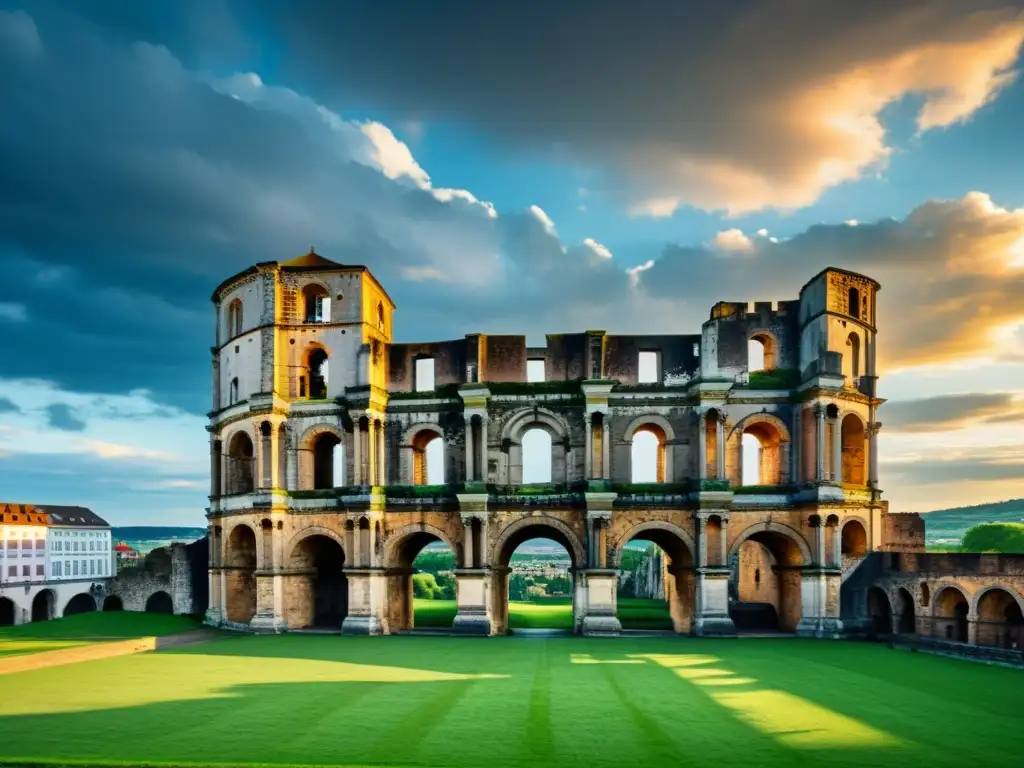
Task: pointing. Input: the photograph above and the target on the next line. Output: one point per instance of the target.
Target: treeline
(1003, 538)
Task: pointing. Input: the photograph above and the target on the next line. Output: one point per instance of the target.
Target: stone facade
(164, 581)
(321, 425)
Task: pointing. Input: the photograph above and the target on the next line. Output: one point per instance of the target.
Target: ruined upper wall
(727, 334)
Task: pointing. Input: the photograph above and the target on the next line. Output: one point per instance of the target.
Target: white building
(53, 560)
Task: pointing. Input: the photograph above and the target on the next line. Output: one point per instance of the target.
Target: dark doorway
(159, 602)
(112, 603)
(42, 606)
(80, 603)
(6, 612)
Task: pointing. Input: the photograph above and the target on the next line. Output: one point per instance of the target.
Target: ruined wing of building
(54, 561)
(320, 426)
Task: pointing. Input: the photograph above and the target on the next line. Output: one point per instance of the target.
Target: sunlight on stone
(586, 658)
(797, 722)
(165, 677)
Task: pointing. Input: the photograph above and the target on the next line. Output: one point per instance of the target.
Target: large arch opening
(80, 603)
(536, 447)
(949, 621)
(428, 458)
(906, 622)
(318, 587)
(241, 464)
(765, 589)
(648, 450)
(1000, 621)
(656, 588)
(851, 363)
(421, 582)
(7, 612)
(43, 606)
(240, 574)
(853, 449)
(159, 602)
(853, 543)
(328, 461)
(880, 612)
(112, 603)
(316, 304)
(533, 579)
(762, 454)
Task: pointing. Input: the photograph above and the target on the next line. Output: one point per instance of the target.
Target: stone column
(276, 481)
(473, 593)
(702, 447)
(702, 542)
(837, 546)
(382, 455)
(720, 446)
(606, 447)
(602, 544)
(470, 452)
(484, 464)
(588, 456)
(599, 597)
(819, 444)
(837, 451)
(357, 452)
(467, 542)
(785, 462)
(873, 454)
(591, 560)
(724, 562)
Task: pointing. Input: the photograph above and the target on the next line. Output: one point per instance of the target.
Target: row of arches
(992, 617)
(767, 563)
(44, 606)
(762, 353)
(755, 451)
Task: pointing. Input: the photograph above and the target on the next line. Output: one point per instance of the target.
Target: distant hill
(947, 526)
(146, 538)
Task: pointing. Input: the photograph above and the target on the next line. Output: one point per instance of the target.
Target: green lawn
(87, 628)
(507, 702)
(551, 612)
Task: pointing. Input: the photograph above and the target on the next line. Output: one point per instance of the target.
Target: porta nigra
(320, 427)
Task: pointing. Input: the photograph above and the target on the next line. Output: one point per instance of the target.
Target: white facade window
(76, 566)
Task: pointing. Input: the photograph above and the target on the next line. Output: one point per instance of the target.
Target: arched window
(240, 464)
(853, 302)
(853, 353)
(380, 316)
(233, 391)
(234, 318)
(428, 458)
(761, 353)
(316, 304)
(316, 367)
(852, 439)
(762, 459)
(648, 454)
(536, 456)
(327, 450)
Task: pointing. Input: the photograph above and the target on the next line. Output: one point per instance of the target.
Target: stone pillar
(720, 446)
(711, 613)
(473, 595)
(820, 533)
(357, 452)
(276, 481)
(819, 444)
(785, 462)
(873, 454)
(606, 448)
(725, 542)
(470, 452)
(588, 456)
(467, 542)
(837, 451)
(837, 546)
(702, 542)
(602, 544)
(702, 447)
(600, 600)
(382, 455)
(484, 464)
(367, 590)
(591, 544)
(818, 618)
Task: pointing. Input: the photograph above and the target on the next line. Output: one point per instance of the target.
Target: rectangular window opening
(424, 375)
(649, 368)
(535, 370)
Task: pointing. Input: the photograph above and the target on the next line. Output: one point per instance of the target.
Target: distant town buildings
(126, 555)
(53, 560)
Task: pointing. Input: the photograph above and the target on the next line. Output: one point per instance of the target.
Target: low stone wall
(964, 650)
(171, 570)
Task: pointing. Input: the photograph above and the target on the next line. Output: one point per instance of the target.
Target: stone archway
(239, 573)
(317, 587)
(508, 540)
(766, 561)
(658, 432)
(83, 602)
(950, 611)
(112, 603)
(677, 548)
(43, 605)
(906, 622)
(159, 602)
(8, 612)
(400, 551)
(525, 421)
(1000, 620)
(880, 612)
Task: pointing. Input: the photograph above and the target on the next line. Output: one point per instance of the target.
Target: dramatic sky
(507, 167)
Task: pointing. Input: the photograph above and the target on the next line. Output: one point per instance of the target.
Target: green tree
(559, 585)
(446, 584)
(424, 585)
(517, 587)
(1005, 538)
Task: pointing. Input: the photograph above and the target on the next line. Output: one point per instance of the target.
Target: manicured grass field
(510, 702)
(86, 628)
(552, 612)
